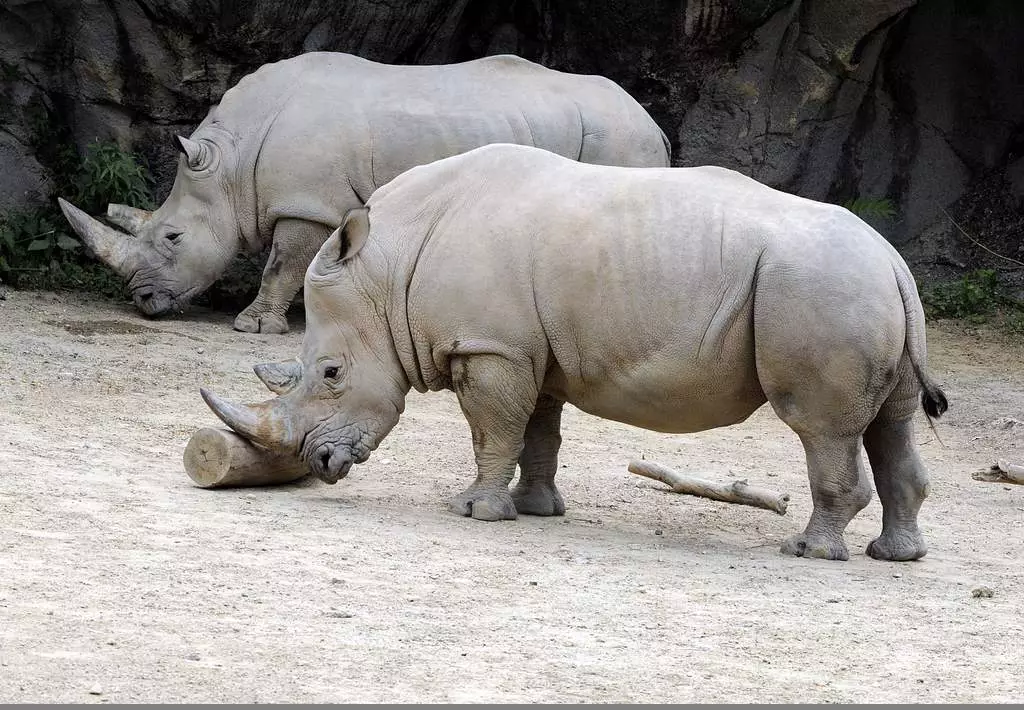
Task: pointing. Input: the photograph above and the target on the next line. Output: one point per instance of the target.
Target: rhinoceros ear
(198, 155)
(352, 233)
(279, 377)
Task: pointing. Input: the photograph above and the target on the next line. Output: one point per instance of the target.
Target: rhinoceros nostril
(325, 458)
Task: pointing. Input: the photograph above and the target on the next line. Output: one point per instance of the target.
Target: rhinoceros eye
(331, 373)
(173, 237)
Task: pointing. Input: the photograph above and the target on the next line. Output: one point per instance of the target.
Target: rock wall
(918, 102)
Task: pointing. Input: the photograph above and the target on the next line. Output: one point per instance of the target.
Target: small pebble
(96, 690)
(897, 575)
(982, 593)
(533, 584)
(339, 615)
(658, 532)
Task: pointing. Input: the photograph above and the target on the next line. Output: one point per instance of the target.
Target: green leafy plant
(868, 207)
(975, 296)
(29, 239)
(38, 248)
(110, 174)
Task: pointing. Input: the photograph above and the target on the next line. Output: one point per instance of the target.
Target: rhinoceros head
(170, 255)
(346, 391)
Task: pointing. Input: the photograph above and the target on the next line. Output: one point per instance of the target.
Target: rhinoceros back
(323, 122)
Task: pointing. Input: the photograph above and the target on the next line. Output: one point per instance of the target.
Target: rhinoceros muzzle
(153, 302)
(331, 463)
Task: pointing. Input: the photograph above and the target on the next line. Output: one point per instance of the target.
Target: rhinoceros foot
(484, 503)
(826, 547)
(538, 498)
(898, 546)
(252, 322)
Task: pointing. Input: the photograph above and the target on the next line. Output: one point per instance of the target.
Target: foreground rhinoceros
(677, 300)
(298, 143)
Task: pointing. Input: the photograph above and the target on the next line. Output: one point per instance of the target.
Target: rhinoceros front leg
(535, 493)
(295, 244)
(498, 398)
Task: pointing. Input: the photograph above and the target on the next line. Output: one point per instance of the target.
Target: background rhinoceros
(676, 300)
(296, 144)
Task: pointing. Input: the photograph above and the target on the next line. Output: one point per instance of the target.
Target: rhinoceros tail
(933, 399)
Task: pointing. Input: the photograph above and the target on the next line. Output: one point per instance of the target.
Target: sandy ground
(122, 582)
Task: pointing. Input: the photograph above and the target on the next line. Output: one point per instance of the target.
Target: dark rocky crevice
(919, 102)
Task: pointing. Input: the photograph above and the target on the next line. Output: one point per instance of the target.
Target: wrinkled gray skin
(298, 143)
(677, 300)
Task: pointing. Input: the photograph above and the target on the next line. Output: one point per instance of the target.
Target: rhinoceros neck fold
(405, 253)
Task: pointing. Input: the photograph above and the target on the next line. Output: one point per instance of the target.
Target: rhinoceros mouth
(154, 302)
(332, 463)
(151, 302)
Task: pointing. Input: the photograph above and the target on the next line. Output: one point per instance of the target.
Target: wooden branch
(218, 458)
(735, 492)
(1001, 472)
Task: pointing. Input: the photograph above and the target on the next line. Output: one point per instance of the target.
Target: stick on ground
(735, 492)
(1001, 472)
(218, 458)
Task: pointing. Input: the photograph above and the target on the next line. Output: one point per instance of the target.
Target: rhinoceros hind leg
(535, 492)
(498, 398)
(900, 478)
(839, 489)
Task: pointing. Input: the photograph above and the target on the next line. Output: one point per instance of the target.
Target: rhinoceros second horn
(110, 245)
(130, 219)
(279, 377)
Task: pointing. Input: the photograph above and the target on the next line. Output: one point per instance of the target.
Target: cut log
(735, 492)
(1001, 472)
(218, 458)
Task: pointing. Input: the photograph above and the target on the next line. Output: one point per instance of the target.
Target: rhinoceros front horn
(259, 423)
(106, 242)
(131, 219)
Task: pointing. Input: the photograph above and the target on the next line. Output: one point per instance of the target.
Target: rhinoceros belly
(671, 389)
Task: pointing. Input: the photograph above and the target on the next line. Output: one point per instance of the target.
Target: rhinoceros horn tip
(207, 395)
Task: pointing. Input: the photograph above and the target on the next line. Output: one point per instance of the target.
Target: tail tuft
(934, 401)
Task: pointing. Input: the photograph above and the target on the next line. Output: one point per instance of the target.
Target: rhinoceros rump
(677, 300)
(298, 143)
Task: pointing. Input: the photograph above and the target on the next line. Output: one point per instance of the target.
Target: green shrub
(38, 249)
(976, 296)
(109, 174)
